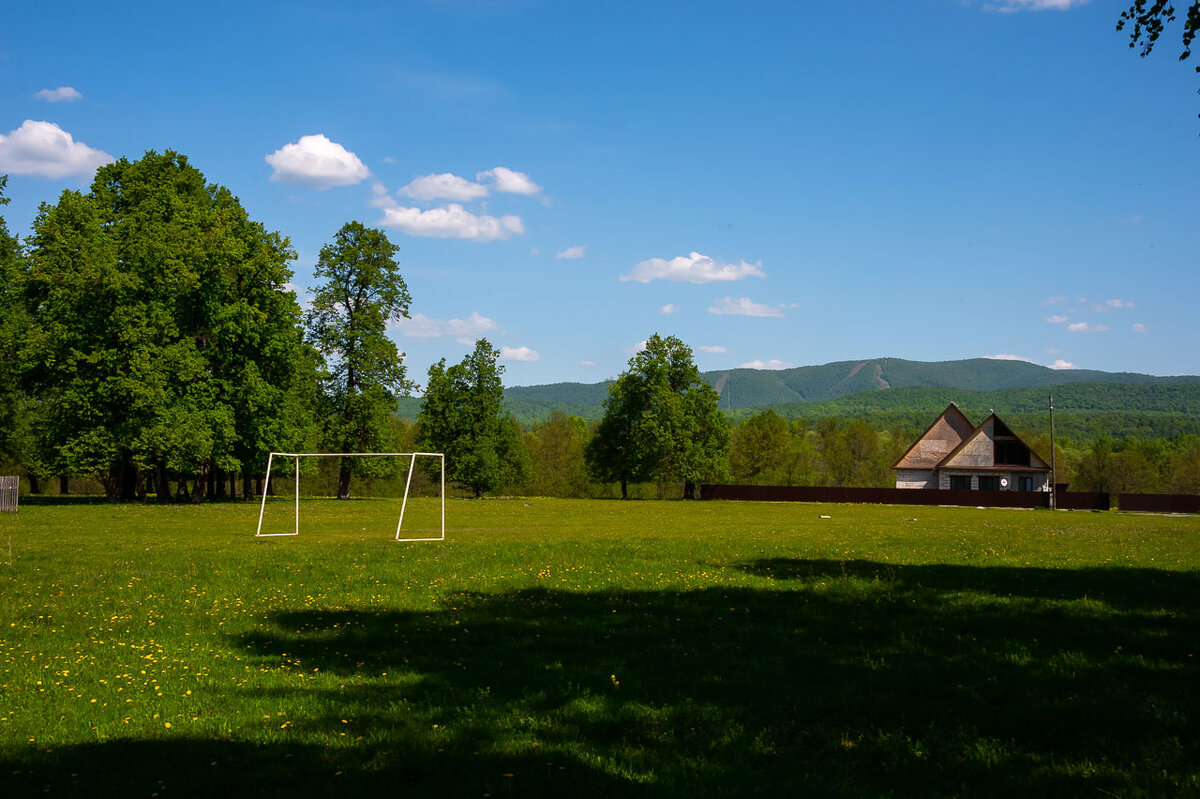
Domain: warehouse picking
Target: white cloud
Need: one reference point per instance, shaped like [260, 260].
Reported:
[63, 94]
[464, 331]
[1011, 6]
[1114, 305]
[451, 222]
[587, 363]
[669, 309]
[45, 150]
[1138, 327]
[1061, 364]
[774, 363]
[693, 268]
[1054, 300]
[443, 187]
[380, 197]
[715, 348]
[302, 295]
[1084, 327]
[517, 354]
[1057, 319]
[315, 162]
[534, 251]
[509, 181]
[1010, 358]
[571, 252]
[636, 348]
[742, 306]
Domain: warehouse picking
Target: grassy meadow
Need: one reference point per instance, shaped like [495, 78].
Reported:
[598, 648]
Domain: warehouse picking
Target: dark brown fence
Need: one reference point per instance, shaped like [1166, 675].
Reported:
[1160, 503]
[904, 496]
[1083, 500]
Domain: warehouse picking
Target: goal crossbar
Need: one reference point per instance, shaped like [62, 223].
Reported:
[412, 466]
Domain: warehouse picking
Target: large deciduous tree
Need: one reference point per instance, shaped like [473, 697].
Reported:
[463, 416]
[16, 409]
[165, 342]
[661, 422]
[347, 322]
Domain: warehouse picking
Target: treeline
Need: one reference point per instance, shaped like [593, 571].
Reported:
[768, 449]
[150, 342]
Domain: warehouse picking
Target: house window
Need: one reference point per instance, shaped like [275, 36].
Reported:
[1010, 453]
[960, 482]
[1025, 483]
[991, 483]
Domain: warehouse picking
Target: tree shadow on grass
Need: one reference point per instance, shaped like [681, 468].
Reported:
[848, 679]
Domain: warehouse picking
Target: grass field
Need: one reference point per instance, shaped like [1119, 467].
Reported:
[574, 648]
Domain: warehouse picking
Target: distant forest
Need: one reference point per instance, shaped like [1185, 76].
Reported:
[1141, 437]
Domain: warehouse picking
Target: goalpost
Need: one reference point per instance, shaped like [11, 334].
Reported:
[412, 467]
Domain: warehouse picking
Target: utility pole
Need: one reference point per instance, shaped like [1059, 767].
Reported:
[1053, 471]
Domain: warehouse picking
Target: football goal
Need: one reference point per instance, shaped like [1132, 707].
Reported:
[298, 463]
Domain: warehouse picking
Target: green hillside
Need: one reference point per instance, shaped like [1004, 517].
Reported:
[873, 382]
[1082, 411]
[750, 388]
[893, 392]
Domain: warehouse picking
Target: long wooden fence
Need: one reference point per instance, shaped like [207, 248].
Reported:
[1160, 503]
[1067, 500]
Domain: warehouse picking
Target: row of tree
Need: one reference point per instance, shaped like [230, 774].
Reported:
[150, 340]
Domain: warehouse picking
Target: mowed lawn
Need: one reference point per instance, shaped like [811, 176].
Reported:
[598, 648]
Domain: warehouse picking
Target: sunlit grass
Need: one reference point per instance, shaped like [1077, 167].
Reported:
[596, 648]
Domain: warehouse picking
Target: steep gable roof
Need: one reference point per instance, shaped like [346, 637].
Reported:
[999, 430]
[945, 434]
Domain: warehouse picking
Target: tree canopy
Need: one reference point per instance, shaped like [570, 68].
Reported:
[347, 322]
[162, 339]
[660, 422]
[463, 417]
[1145, 21]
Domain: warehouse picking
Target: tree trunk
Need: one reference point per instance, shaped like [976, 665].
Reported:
[131, 477]
[162, 485]
[35, 486]
[247, 486]
[181, 490]
[201, 484]
[64, 484]
[343, 490]
[689, 489]
[140, 488]
[210, 480]
[624, 488]
[219, 480]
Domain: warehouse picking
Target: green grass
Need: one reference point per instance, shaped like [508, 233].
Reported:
[574, 648]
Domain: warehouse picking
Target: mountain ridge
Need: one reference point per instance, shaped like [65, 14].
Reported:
[744, 388]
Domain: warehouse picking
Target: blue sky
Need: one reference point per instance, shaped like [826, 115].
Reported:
[777, 184]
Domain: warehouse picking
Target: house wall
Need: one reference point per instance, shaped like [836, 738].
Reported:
[1041, 481]
[915, 478]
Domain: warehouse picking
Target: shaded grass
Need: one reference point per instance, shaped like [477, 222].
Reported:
[598, 649]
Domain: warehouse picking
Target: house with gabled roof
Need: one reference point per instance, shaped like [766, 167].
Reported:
[955, 454]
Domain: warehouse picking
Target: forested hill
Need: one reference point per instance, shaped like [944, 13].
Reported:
[746, 389]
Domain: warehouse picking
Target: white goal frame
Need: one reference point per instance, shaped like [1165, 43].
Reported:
[412, 466]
